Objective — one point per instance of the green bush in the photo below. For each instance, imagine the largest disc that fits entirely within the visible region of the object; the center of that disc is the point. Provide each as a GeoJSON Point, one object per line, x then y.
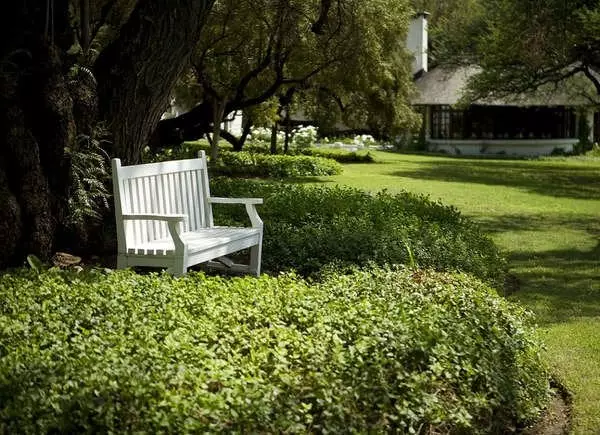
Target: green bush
{"type": "Point", "coordinates": [308, 227]}
{"type": "Point", "coordinates": [257, 163]}
{"type": "Point", "coordinates": [243, 164]}
{"type": "Point", "coordinates": [383, 351]}
{"type": "Point", "coordinates": [339, 155]}
{"type": "Point", "coordinates": [187, 150]}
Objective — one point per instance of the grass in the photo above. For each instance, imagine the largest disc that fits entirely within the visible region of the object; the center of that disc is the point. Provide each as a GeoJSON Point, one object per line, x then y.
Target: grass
{"type": "Point", "coordinates": [545, 214]}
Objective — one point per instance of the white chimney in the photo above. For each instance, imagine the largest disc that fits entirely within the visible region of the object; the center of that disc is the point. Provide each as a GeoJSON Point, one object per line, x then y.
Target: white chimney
{"type": "Point", "coordinates": [416, 42]}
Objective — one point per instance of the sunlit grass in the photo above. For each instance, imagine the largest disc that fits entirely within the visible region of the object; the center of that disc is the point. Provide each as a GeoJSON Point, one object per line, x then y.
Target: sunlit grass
{"type": "Point", "coordinates": [545, 214]}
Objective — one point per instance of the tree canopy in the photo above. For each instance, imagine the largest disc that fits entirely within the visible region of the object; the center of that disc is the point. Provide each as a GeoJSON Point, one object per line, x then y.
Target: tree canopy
{"type": "Point", "coordinates": [521, 46]}
{"type": "Point", "coordinates": [354, 69]}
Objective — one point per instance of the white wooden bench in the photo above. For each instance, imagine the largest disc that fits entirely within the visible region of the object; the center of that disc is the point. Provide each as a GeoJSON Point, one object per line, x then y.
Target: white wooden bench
{"type": "Point", "coordinates": [164, 218]}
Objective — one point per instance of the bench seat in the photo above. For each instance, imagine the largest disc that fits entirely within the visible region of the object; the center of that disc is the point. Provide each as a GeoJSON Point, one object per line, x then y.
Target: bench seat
{"type": "Point", "coordinates": [205, 239]}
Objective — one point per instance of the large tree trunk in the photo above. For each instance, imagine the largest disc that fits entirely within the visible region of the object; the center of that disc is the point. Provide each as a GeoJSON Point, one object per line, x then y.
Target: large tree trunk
{"type": "Point", "coordinates": [45, 104]}
{"type": "Point", "coordinates": [36, 124]}
{"type": "Point", "coordinates": [136, 73]}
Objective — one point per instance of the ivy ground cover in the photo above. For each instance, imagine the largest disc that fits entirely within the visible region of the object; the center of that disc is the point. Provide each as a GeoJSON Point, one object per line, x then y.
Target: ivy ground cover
{"type": "Point", "coordinates": [544, 214]}
{"type": "Point", "coordinates": [375, 351]}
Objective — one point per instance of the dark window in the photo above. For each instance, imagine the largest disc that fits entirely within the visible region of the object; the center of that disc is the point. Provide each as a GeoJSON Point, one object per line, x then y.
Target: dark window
{"type": "Point", "coordinates": [440, 122]}
{"type": "Point", "coordinates": [502, 122]}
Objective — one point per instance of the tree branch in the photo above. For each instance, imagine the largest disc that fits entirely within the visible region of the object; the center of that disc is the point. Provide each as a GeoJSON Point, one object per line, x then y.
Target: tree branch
{"type": "Point", "coordinates": [317, 27]}
{"type": "Point", "coordinates": [592, 75]}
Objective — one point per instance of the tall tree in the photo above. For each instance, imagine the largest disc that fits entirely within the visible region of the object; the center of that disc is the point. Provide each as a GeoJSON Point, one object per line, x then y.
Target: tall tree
{"type": "Point", "coordinates": [137, 71]}
{"type": "Point", "coordinates": [49, 93]}
{"type": "Point", "coordinates": [454, 26]}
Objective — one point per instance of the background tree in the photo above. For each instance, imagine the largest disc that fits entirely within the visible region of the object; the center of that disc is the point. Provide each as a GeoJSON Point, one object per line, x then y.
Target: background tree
{"type": "Point", "coordinates": [454, 26]}
{"type": "Point", "coordinates": [356, 63]}
{"type": "Point", "coordinates": [371, 88]}
{"type": "Point", "coordinates": [522, 46]}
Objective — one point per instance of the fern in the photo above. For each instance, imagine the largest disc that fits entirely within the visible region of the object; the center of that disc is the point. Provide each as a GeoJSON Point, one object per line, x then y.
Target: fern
{"type": "Point", "coordinates": [89, 193]}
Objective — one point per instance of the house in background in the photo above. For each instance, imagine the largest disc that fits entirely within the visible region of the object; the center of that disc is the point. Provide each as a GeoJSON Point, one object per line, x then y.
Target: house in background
{"type": "Point", "coordinates": [528, 124]}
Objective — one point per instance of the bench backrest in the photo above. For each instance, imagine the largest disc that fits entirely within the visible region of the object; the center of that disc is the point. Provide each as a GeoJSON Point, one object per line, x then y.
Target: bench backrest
{"type": "Point", "coordinates": [178, 186]}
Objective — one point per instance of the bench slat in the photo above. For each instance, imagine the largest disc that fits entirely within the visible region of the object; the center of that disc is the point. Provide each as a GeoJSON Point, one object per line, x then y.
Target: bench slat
{"type": "Point", "coordinates": [153, 169]}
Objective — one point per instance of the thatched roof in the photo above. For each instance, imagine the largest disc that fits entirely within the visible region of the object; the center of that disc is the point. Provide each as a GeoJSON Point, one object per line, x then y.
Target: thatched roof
{"type": "Point", "coordinates": [443, 86]}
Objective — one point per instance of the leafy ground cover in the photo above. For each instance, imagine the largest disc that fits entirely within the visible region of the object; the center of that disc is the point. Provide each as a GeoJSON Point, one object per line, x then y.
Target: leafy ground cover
{"type": "Point", "coordinates": [545, 214]}
{"type": "Point", "coordinates": [384, 350]}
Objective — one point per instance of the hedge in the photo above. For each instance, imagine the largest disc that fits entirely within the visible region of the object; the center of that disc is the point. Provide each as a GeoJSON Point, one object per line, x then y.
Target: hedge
{"type": "Point", "coordinates": [375, 351]}
{"type": "Point", "coordinates": [243, 164]}
{"type": "Point", "coordinates": [309, 227]}
{"type": "Point", "coordinates": [255, 160]}
{"type": "Point", "coordinates": [339, 156]}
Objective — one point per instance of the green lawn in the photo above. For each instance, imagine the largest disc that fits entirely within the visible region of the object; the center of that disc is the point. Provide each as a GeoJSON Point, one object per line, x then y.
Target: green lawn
{"type": "Point", "coordinates": [546, 215]}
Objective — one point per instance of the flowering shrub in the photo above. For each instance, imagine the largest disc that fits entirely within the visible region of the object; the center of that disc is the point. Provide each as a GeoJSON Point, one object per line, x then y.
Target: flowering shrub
{"type": "Point", "coordinates": [364, 140]}
{"type": "Point", "coordinates": [302, 137]}
{"type": "Point", "coordinates": [305, 137]}
{"type": "Point", "coordinates": [264, 134]}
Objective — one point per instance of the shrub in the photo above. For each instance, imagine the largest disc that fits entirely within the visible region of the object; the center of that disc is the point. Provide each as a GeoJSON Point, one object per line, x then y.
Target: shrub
{"type": "Point", "coordinates": [263, 134]}
{"type": "Point", "coordinates": [304, 137]}
{"type": "Point", "coordinates": [364, 140]}
{"type": "Point", "coordinates": [257, 163]}
{"type": "Point", "coordinates": [277, 166]}
{"type": "Point", "coordinates": [307, 227]}
{"type": "Point", "coordinates": [339, 155]}
{"type": "Point", "coordinates": [187, 150]}
{"type": "Point", "coordinates": [381, 351]}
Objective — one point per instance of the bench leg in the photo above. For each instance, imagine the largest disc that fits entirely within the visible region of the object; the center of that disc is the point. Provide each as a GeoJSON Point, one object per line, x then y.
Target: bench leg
{"type": "Point", "coordinates": [255, 259]}
{"type": "Point", "coordinates": [121, 261]}
{"type": "Point", "coordinates": [179, 268]}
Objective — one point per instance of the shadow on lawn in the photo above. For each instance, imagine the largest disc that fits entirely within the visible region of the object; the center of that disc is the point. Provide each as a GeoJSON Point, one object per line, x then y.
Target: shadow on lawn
{"type": "Point", "coordinates": [309, 180]}
{"type": "Point", "coordinates": [539, 222]}
{"type": "Point", "coordinates": [557, 284]}
{"type": "Point", "coordinates": [546, 178]}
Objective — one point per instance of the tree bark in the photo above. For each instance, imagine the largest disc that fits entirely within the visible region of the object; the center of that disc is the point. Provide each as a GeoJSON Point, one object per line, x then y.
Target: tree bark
{"type": "Point", "coordinates": [286, 141]}
{"type": "Point", "coordinates": [245, 132]}
{"type": "Point", "coordinates": [136, 73]}
{"type": "Point", "coordinates": [45, 105]}
{"type": "Point", "coordinates": [37, 122]}
{"type": "Point", "coordinates": [219, 111]}
{"type": "Point", "coordinates": [273, 146]}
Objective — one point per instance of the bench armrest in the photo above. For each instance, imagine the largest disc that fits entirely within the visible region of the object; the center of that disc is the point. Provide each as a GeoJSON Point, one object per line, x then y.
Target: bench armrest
{"type": "Point", "coordinates": [218, 200]}
{"type": "Point", "coordinates": [250, 207]}
{"type": "Point", "coordinates": [155, 217]}
{"type": "Point", "coordinates": [173, 222]}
